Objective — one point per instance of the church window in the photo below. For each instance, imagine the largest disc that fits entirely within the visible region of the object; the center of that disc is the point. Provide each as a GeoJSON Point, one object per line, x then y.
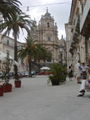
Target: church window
{"type": "Point", "coordinates": [7, 42]}
{"type": "Point", "coordinates": [48, 25]}
{"type": "Point", "coordinates": [49, 39]}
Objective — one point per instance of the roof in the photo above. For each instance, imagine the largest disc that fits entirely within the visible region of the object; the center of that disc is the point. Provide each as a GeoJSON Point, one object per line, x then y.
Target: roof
{"type": "Point", "coordinates": [47, 15]}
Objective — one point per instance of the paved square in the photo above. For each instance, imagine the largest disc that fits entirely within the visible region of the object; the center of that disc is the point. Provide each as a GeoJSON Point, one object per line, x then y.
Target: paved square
{"type": "Point", "coordinates": [36, 100]}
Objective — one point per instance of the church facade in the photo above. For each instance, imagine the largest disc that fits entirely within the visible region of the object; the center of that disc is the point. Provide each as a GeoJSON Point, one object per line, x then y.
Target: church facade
{"type": "Point", "coordinates": [46, 33]}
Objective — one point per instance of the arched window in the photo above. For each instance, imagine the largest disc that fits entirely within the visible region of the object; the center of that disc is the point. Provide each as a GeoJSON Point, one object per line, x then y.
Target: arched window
{"type": "Point", "coordinates": [48, 25]}
{"type": "Point", "coordinates": [49, 39]}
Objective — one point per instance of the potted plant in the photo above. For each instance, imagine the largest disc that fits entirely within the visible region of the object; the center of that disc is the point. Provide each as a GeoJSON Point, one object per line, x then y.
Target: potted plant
{"type": "Point", "coordinates": [58, 75]}
{"type": "Point", "coordinates": [17, 81]}
{"type": "Point", "coordinates": [7, 87]}
{"type": "Point", "coordinates": [1, 90]}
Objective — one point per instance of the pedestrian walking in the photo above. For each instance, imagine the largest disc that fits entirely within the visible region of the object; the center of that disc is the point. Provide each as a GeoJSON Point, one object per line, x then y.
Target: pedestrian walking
{"type": "Point", "coordinates": [70, 73]}
{"type": "Point", "coordinates": [78, 72]}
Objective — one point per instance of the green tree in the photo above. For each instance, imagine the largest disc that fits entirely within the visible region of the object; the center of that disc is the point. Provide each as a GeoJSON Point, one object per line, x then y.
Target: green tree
{"type": "Point", "coordinates": [14, 25]}
{"type": "Point", "coordinates": [28, 51]}
{"type": "Point", "coordinates": [59, 73]}
{"type": "Point", "coordinates": [9, 8]}
{"type": "Point", "coordinates": [44, 54]}
{"type": "Point", "coordinates": [32, 51]}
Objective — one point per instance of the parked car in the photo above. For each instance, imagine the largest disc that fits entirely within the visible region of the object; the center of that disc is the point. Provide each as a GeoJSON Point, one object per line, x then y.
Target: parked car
{"type": "Point", "coordinates": [23, 74]}
{"type": "Point", "coordinates": [20, 75]}
{"type": "Point", "coordinates": [11, 74]}
{"type": "Point", "coordinates": [26, 74]}
{"type": "Point", "coordinates": [32, 73]}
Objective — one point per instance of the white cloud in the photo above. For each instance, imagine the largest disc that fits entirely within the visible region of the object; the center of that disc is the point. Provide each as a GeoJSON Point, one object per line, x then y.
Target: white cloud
{"type": "Point", "coordinates": [36, 13]}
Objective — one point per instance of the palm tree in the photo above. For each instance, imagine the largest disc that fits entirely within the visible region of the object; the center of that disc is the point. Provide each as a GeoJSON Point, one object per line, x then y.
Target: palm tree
{"type": "Point", "coordinates": [27, 53]}
{"type": "Point", "coordinates": [33, 51]}
{"type": "Point", "coordinates": [9, 8]}
{"type": "Point", "coordinates": [14, 25]}
{"type": "Point", "coordinates": [48, 56]}
{"type": "Point", "coordinates": [44, 54]}
{"type": "Point", "coordinates": [40, 50]}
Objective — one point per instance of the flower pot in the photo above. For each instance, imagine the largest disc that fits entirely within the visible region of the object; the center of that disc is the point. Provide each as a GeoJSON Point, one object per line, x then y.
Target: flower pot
{"type": "Point", "coordinates": [55, 82]}
{"type": "Point", "coordinates": [7, 87]}
{"type": "Point", "coordinates": [1, 90]}
{"type": "Point", "coordinates": [18, 84]}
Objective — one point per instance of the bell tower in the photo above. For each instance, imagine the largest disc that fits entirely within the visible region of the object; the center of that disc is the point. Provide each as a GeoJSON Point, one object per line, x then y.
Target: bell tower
{"type": "Point", "coordinates": [48, 35]}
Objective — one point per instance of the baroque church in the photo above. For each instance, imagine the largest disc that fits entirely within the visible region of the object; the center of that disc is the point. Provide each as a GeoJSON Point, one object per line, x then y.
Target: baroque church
{"type": "Point", "coordinates": [46, 33]}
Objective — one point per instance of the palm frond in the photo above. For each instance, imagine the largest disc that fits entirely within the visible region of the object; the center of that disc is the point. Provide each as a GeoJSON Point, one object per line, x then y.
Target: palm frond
{"type": "Point", "coordinates": [9, 8]}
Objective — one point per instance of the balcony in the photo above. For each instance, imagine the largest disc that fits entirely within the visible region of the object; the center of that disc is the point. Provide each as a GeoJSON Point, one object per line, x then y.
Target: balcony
{"type": "Point", "coordinates": [85, 19]}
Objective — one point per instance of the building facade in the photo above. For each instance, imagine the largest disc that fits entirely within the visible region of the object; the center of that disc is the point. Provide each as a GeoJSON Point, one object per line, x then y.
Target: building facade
{"type": "Point", "coordinates": [7, 47]}
{"type": "Point", "coordinates": [63, 52]}
{"type": "Point", "coordinates": [68, 29]}
{"type": "Point", "coordinates": [78, 32]}
{"type": "Point", "coordinates": [46, 33]}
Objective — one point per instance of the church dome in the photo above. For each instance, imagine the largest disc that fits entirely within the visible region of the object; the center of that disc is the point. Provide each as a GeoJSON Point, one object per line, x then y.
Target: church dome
{"type": "Point", "coordinates": [47, 15]}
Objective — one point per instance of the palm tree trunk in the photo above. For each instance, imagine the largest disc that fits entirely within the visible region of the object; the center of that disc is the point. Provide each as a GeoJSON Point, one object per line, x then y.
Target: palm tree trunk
{"type": "Point", "coordinates": [30, 68]}
{"type": "Point", "coordinates": [15, 58]}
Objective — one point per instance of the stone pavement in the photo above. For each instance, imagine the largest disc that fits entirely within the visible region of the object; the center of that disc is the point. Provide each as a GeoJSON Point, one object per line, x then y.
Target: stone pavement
{"type": "Point", "coordinates": [36, 100]}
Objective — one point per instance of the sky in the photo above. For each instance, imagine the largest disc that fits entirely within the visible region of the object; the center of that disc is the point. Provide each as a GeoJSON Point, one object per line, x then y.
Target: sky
{"type": "Point", "coordinates": [59, 9]}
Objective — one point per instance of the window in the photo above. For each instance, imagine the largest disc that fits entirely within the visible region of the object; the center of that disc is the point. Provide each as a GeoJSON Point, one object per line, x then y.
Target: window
{"type": "Point", "coordinates": [7, 42]}
{"type": "Point", "coordinates": [48, 25]}
{"type": "Point", "coordinates": [7, 53]}
{"type": "Point", "coordinates": [49, 39]}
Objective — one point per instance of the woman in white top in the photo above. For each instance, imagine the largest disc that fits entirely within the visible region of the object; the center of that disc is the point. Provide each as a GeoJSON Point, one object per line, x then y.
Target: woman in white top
{"type": "Point", "coordinates": [85, 84]}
